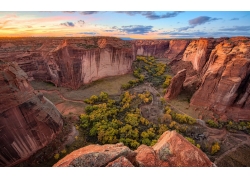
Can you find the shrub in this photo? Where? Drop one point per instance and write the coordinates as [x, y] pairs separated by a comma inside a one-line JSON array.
[[215, 148], [212, 123], [190, 140], [56, 156]]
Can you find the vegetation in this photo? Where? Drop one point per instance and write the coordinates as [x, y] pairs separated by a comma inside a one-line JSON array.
[[113, 121], [148, 70], [230, 125], [215, 148]]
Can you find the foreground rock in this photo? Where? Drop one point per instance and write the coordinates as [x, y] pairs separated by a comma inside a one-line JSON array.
[[28, 121], [172, 149], [176, 84], [96, 156], [177, 151]]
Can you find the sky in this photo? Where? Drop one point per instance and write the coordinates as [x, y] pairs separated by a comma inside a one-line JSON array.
[[125, 24]]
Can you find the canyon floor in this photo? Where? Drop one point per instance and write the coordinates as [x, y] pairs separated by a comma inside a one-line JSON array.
[[70, 103]]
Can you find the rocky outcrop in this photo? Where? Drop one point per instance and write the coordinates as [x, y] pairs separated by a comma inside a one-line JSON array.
[[97, 156], [176, 49], [170, 49], [225, 80], [28, 121], [74, 62], [178, 152], [155, 48], [172, 149], [176, 84], [198, 52], [236, 157]]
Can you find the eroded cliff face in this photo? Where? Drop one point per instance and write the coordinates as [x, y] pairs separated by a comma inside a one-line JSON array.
[[155, 48], [198, 52], [176, 49], [225, 80], [172, 150], [170, 49], [28, 121], [73, 62]]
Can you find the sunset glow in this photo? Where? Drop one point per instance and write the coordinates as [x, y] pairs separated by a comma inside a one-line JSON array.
[[125, 24]]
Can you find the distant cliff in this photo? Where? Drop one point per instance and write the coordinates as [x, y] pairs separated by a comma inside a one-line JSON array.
[[28, 121], [73, 62]]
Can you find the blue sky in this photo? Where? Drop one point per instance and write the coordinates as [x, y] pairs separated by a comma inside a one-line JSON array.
[[131, 24]]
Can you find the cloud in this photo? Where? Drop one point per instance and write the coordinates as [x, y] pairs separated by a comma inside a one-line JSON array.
[[69, 11], [184, 28], [88, 12], [197, 34], [234, 19], [151, 14], [192, 34], [81, 22], [2, 24], [109, 30], [131, 13], [68, 24], [88, 33], [202, 20], [236, 28], [136, 29], [197, 21]]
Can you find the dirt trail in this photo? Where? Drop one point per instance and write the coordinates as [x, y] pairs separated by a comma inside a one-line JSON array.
[[61, 96], [157, 92]]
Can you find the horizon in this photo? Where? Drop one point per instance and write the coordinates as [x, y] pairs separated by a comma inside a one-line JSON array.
[[125, 24]]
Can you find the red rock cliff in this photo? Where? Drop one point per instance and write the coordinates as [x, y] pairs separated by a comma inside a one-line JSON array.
[[170, 49], [225, 80], [155, 48], [72, 62], [28, 121]]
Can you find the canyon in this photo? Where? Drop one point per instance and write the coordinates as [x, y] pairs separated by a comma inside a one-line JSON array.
[[70, 62], [214, 72]]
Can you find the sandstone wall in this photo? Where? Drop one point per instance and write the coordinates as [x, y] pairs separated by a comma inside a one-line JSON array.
[[225, 79], [72, 62], [28, 121]]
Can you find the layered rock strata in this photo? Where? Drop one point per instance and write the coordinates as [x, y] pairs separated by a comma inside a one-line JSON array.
[[28, 121], [73, 62], [225, 80]]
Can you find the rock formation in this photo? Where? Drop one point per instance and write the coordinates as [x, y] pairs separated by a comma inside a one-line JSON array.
[[170, 49], [155, 48], [176, 49], [175, 86], [217, 75], [198, 52], [74, 62], [28, 121], [225, 80], [172, 149]]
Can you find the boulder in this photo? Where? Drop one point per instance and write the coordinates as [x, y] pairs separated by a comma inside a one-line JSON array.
[[97, 156], [178, 152]]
